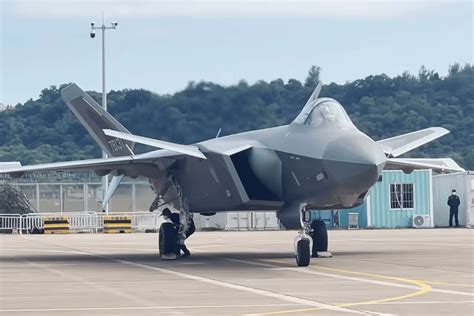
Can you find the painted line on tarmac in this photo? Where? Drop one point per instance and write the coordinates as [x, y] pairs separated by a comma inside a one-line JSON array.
[[16, 265], [288, 298], [421, 286], [402, 242], [85, 309], [305, 270], [450, 284], [44, 250], [96, 285], [427, 302], [395, 278], [378, 262], [154, 250]]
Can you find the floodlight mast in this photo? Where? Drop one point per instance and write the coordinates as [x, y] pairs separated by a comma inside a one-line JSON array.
[[103, 28]]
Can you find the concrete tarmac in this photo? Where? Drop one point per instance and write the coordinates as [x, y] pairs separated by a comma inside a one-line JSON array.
[[373, 272]]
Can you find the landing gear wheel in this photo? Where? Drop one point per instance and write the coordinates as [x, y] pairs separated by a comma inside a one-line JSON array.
[[320, 237], [168, 241], [303, 253]]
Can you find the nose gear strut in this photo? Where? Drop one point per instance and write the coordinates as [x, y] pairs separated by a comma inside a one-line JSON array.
[[311, 240], [303, 241]]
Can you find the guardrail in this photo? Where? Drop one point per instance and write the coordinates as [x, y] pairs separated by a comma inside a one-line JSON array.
[[85, 222], [10, 221], [145, 221], [31, 221], [90, 222]]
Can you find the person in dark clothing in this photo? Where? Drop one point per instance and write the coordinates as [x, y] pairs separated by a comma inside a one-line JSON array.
[[174, 217], [182, 246], [36, 230], [453, 202], [191, 229]]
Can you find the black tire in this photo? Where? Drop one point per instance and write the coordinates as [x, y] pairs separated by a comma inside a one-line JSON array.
[[320, 236], [168, 239], [303, 255]]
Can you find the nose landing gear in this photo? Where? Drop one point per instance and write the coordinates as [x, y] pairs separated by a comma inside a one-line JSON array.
[[312, 239], [304, 241]]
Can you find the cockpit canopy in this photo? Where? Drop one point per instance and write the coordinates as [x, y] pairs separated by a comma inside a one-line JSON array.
[[324, 111]]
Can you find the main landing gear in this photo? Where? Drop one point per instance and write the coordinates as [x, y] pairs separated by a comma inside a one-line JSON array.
[[172, 233], [168, 241], [312, 239]]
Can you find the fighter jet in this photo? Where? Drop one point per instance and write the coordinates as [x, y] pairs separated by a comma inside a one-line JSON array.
[[318, 161]]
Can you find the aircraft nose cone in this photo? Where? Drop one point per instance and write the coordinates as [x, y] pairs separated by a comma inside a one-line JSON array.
[[355, 161]]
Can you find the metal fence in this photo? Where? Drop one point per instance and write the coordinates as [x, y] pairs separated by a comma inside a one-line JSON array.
[[81, 202], [85, 197], [90, 222], [10, 221]]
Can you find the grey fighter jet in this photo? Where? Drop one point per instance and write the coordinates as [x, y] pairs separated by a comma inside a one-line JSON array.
[[319, 161]]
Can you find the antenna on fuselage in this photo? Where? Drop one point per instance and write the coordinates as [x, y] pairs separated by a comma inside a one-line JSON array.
[[308, 107], [315, 94]]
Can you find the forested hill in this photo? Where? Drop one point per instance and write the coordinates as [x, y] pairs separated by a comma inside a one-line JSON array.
[[44, 130]]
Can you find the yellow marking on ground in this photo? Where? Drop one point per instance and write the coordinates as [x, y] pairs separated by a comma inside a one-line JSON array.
[[451, 284], [424, 289]]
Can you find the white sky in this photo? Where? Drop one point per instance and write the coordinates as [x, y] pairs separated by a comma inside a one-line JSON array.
[[161, 45]]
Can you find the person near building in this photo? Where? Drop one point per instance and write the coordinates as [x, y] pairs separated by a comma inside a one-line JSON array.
[[453, 202]]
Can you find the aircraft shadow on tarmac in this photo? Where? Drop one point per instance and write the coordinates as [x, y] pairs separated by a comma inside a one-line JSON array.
[[216, 259]]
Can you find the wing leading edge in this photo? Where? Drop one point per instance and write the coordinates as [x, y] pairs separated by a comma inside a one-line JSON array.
[[145, 164], [398, 145], [189, 150]]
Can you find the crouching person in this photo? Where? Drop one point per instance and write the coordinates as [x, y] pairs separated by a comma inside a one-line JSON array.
[[183, 235]]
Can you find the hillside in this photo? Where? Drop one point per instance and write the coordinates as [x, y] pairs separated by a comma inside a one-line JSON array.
[[44, 130]]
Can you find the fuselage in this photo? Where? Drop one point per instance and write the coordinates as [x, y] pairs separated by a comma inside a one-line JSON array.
[[324, 164]]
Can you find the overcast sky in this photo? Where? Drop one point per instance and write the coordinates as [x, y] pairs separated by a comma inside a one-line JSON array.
[[162, 45]]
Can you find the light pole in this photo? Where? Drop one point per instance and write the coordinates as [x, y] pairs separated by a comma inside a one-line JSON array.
[[113, 26]]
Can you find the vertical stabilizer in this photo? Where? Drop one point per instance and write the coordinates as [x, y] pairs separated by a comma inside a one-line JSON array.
[[95, 120]]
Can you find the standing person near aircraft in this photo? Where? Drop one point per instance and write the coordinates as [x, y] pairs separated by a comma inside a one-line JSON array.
[[453, 202]]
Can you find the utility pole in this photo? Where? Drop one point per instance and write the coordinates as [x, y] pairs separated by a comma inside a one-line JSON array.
[[103, 28]]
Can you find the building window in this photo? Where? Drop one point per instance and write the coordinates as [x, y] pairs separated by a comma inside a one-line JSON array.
[[402, 196]]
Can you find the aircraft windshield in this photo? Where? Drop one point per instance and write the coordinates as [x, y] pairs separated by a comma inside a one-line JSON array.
[[329, 111]]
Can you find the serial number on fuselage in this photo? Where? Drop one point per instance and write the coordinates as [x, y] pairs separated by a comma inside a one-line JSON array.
[[116, 144]]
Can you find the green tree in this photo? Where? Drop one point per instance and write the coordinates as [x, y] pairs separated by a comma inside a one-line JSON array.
[[312, 79]]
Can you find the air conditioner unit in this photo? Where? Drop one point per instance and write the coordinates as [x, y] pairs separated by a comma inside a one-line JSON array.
[[421, 221]]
